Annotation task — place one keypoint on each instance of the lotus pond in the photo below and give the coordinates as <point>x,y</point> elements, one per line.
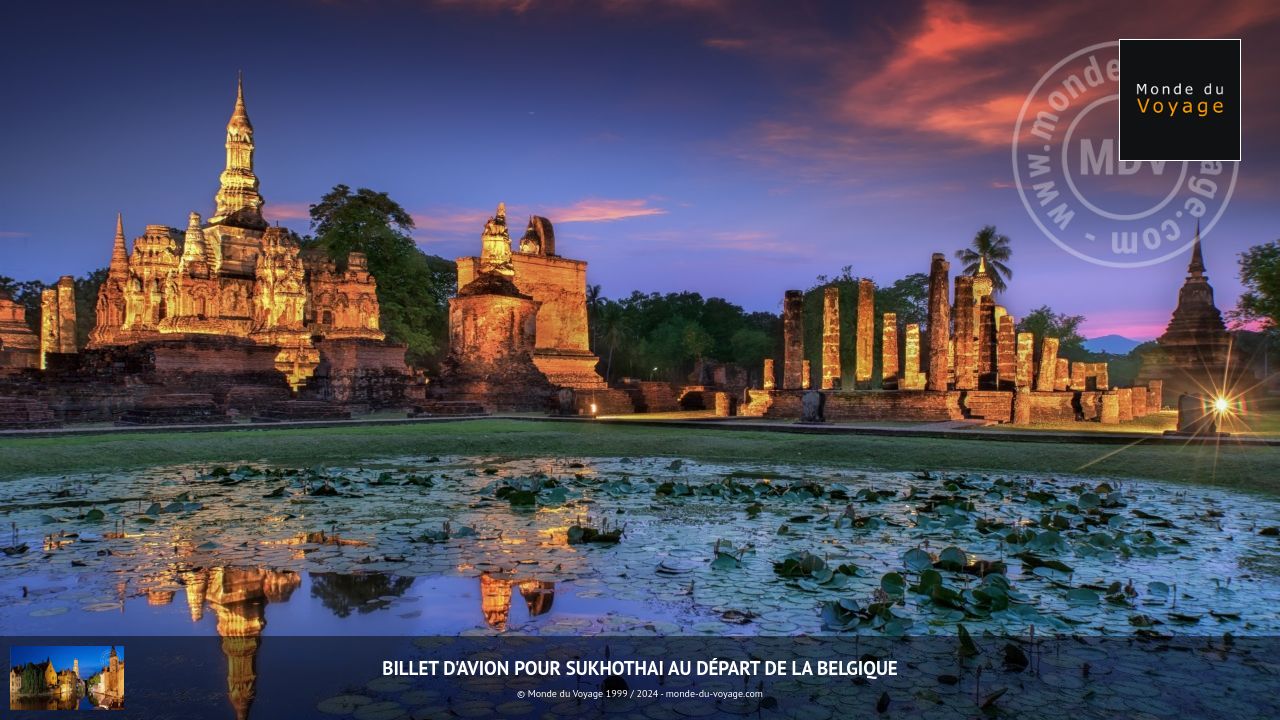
<point>633,546</point>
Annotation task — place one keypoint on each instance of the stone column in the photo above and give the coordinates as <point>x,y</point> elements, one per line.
<point>793,341</point>
<point>866,339</point>
<point>1048,364</point>
<point>966,339</point>
<point>939,321</point>
<point>1138,402</point>
<point>1062,376</point>
<point>831,338</point>
<point>1110,413</point>
<point>724,405</point>
<point>1026,351</point>
<point>889,374</point>
<point>1100,373</point>
<point>66,314</point>
<point>1124,400</point>
<point>912,378</point>
<point>1006,355</point>
<point>48,325</point>
<point>806,375</point>
<point>1078,376</point>
<point>770,380</point>
<point>1155,395</point>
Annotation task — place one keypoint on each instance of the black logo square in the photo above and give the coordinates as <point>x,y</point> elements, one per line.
<point>1180,100</point>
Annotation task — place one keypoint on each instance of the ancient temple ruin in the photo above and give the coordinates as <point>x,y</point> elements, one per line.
<point>498,291</point>
<point>227,313</point>
<point>492,338</point>
<point>234,276</point>
<point>1195,352</point>
<point>966,363</point>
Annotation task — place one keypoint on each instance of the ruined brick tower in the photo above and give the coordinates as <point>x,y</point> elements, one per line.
<point>559,287</point>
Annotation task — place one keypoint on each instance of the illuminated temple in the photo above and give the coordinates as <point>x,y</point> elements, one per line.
<point>233,275</point>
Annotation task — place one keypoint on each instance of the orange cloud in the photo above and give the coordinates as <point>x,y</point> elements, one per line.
<point>466,221</point>
<point>939,80</point>
<point>287,211</point>
<point>602,210</point>
<point>962,72</point>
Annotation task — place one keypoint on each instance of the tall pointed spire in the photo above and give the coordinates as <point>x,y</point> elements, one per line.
<point>240,115</point>
<point>239,203</point>
<point>119,252</point>
<point>1196,267</point>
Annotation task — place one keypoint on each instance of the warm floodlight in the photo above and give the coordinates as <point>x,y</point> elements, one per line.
<point>1221,405</point>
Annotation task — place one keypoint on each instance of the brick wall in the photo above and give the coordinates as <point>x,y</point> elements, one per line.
<point>844,406</point>
<point>993,405</point>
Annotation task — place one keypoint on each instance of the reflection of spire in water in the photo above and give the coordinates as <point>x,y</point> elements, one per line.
<point>197,583</point>
<point>495,598</point>
<point>239,597</point>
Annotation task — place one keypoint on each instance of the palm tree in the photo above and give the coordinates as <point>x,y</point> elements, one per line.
<point>992,249</point>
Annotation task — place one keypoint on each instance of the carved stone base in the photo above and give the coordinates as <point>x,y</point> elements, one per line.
<point>568,369</point>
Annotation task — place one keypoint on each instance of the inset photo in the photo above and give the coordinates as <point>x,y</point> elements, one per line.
<point>66,677</point>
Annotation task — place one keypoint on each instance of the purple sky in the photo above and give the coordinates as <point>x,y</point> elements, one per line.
<point>733,148</point>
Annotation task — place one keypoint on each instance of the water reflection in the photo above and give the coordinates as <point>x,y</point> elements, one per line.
<point>495,598</point>
<point>363,593</point>
<point>238,597</point>
<point>51,702</point>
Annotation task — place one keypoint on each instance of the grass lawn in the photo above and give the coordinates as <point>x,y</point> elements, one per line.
<point>1247,468</point>
<point>1155,423</point>
<point>1264,423</point>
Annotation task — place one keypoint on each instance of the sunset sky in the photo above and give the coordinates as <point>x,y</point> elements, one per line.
<point>733,148</point>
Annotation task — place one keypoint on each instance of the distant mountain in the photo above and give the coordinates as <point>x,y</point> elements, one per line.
<point>1113,344</point>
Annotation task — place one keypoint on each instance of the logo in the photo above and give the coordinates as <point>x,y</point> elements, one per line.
<point>1180,100</point>
<point>1088,201</point>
